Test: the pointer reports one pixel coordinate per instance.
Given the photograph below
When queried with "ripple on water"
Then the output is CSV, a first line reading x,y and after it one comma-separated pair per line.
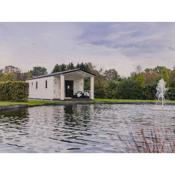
x,y
81,128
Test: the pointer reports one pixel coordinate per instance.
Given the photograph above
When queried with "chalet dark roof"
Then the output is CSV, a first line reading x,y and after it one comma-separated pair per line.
x,y
63,72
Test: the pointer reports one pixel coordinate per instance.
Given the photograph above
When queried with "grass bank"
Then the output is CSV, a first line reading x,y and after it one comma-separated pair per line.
x,y
130,101
31,103
124,101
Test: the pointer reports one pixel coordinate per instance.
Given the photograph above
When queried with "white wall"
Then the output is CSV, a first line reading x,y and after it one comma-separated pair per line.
x,y
57,87
53,91
41,92
78,85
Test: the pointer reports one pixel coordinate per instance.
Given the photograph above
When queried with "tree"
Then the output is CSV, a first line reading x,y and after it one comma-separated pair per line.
x,y
26,75
60,68
56,68
130,89
15,76
7,77
70,66
149,92
172,78
111,74
38,71
163,73
63,67
86,67
111,89
171,93
139,78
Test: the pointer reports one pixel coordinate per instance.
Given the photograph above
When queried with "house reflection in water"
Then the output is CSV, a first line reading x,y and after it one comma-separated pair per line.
x,y
78,115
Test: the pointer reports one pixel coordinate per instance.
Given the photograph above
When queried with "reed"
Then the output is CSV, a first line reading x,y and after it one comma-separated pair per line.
x,y
153,141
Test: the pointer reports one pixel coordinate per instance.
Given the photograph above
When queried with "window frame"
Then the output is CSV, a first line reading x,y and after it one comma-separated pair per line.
x,y
46,84
36,85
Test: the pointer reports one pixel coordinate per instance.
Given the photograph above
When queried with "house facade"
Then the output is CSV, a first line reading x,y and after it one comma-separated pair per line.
x,y
11,69
60,85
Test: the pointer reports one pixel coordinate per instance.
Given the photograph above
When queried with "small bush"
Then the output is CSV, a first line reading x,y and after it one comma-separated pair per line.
x,y
171,94
99,92
13,91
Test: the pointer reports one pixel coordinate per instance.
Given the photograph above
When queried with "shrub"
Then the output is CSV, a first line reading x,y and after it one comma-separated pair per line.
x,y
130,89
149,92
171,94
13,91
111,89
99,92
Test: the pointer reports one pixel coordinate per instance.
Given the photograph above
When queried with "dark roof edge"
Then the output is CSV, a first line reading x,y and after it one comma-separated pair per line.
x,y
88,72
59,73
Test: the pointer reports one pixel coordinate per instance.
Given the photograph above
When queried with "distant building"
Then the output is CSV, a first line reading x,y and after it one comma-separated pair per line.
x,y
11,69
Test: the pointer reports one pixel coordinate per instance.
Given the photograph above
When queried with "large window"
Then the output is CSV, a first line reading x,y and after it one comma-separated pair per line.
x,y
46,84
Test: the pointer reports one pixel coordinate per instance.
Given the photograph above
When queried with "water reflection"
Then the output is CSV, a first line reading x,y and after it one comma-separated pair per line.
x,y
78,116
18,116
80,128
12,128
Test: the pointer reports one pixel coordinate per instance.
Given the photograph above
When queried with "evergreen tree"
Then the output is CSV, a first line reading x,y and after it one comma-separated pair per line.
x,y
70,66
57,68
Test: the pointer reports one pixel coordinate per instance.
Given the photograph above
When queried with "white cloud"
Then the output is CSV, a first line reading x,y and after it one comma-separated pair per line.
x,y
108,45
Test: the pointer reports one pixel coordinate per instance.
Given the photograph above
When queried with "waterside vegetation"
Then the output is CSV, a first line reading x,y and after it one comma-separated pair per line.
x,y
32,103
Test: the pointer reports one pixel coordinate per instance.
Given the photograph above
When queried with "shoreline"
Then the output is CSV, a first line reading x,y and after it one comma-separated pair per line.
x,y
35,103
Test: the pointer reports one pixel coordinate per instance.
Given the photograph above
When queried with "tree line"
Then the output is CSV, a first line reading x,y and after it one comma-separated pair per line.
x,y
141,84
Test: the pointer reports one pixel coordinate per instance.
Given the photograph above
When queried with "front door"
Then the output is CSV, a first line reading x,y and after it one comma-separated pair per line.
x,y
69,88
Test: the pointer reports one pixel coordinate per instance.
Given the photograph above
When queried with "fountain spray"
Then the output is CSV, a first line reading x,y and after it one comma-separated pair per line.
x,y
161,90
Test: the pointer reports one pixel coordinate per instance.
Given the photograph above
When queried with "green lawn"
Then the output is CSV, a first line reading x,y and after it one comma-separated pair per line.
x,y
29,103
48,102
7,103
41,102
123,100
130,101
98,100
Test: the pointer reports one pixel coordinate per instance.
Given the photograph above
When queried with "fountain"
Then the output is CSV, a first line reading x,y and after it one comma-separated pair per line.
x,y
161,91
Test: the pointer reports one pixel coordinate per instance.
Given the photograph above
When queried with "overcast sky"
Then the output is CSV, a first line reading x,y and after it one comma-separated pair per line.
x,y
108,45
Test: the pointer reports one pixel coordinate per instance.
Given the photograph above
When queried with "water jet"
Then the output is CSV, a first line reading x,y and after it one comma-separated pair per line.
x,y
161,91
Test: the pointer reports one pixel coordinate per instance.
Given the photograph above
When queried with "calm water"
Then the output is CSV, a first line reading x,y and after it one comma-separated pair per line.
x,y
81,128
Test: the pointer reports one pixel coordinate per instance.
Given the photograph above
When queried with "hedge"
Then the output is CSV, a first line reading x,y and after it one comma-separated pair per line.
x,y
171,94
13,91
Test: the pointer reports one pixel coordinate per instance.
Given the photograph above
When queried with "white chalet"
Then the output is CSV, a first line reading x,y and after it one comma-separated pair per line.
x,y
60,85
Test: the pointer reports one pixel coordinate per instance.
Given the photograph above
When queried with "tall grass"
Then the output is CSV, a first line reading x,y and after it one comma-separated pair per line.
x,y
150,142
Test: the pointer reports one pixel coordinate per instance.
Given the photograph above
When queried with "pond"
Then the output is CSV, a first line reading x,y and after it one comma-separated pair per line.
x,y
87,128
